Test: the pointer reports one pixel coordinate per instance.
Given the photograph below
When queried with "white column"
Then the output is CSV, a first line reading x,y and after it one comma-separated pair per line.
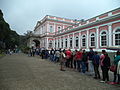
x,y
97,38
68,42
47,43
87,40
73,41
110,35
80,40
54,43
60,42
57,43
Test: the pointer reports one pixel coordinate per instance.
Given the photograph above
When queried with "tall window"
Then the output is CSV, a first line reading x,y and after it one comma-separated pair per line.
x,y
55,44
70,42
66,42
51,29
61,43
103,38
92,39
117,37
58,43
76,41
83,40
50,44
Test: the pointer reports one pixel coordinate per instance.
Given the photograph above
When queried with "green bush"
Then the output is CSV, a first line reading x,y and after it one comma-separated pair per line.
x,y
2,51
25,49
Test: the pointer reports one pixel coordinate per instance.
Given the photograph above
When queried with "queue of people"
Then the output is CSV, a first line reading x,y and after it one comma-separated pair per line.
x,y
90,62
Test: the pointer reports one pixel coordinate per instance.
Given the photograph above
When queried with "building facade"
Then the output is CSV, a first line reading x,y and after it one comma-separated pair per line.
x,y
98,32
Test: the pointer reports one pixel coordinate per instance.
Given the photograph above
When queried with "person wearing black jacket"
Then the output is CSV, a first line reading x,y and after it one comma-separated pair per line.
x,y
105,68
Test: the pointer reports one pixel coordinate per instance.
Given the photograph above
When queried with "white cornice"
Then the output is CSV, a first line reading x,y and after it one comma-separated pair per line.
x,y
90,24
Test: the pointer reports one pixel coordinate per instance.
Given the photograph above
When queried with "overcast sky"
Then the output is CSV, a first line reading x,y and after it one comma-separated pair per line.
x,y
22,15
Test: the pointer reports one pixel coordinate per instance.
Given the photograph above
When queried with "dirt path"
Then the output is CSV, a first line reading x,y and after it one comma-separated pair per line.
x,y
20,72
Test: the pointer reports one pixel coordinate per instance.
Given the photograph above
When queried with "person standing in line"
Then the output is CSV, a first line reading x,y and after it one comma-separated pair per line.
x,y
43,54
57,56
102,57
84,61
96,61
74,59
31,52
117,72
52,52
71,60
90,61
62,60
78,57
105,68
68,57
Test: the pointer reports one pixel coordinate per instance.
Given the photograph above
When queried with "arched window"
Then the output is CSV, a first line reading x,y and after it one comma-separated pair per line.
x,y
71,42
103,38
76,41
83,40
92,39
117,37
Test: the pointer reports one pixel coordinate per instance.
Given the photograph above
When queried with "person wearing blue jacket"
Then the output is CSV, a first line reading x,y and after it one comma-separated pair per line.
x,y
96,61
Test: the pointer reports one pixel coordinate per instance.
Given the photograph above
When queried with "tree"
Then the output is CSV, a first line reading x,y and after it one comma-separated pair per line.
x,y
8,37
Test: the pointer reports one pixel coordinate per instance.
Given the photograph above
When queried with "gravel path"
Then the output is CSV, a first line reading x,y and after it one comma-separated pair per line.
x,y
20,72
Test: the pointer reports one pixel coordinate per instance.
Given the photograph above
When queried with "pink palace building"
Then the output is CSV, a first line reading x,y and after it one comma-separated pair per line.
x,y
98,32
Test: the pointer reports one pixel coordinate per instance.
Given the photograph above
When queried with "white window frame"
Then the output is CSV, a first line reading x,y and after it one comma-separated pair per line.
x,y
114,32
106,38
71,39
66,39
94,38
82,40
76,38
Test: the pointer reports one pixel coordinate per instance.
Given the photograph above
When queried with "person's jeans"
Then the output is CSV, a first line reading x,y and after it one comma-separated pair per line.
x,y
105,73
67,63
56,59
52,57
79,64
115,75
75,64
90,66
83,67
96,70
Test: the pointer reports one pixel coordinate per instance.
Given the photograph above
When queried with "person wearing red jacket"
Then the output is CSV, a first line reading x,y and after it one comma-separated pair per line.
x,y
68,57
78,57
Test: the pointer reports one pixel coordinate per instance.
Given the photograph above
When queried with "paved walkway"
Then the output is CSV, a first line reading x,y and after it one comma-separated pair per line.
x,y
20,72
